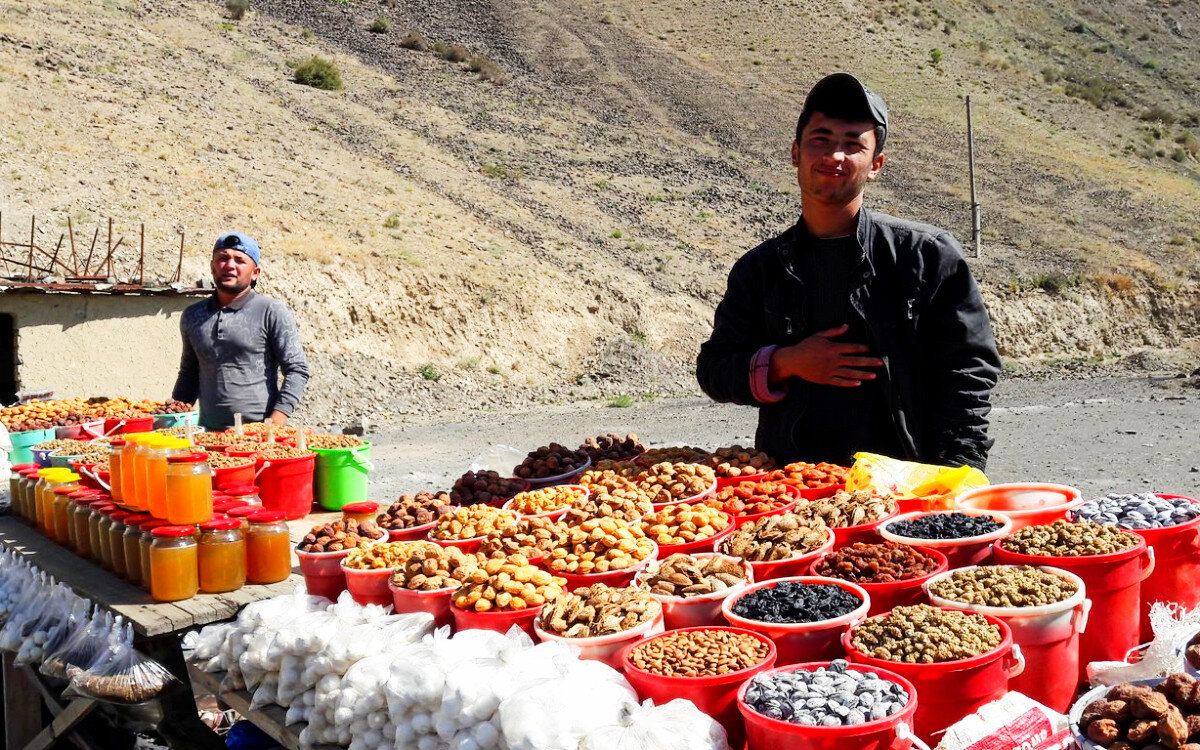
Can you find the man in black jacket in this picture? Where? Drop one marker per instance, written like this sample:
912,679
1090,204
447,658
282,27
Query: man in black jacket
854,330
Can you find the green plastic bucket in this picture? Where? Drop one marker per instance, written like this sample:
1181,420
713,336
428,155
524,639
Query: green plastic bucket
178,419
23,441
341,475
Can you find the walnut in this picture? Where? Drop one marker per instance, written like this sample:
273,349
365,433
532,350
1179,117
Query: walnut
1149,705
1103,731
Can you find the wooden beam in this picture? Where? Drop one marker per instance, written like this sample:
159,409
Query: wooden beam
74,256
22,706
63,724
88,264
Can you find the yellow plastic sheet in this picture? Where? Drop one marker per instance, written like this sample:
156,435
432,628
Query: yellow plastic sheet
915,486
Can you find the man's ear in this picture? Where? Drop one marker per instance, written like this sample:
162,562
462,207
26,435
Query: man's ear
876,166
796,155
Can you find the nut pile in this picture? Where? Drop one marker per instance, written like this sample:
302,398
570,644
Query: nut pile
922,634
340,535
808,475
844,509
1138,716
598,610
671,482
334,441
550,461
945,526
221,461
216,439
484,488
884,562
508,584
381,556
676,454
432,568
736,461
750,498
775,538
826,697
271,451
544,500
1004,586
699,653
471,522
611,497
530,537
1065,539
1139,511
682,575
612,447
63,447
599,545
792,601
410,511
680,524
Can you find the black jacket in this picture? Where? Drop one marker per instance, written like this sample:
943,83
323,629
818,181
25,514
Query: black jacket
925,319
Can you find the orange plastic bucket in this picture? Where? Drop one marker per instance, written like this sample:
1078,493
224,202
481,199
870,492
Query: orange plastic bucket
1025,504
1114,584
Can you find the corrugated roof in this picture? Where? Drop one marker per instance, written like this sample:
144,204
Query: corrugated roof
8,286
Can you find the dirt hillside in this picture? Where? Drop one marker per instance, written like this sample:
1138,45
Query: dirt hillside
450,240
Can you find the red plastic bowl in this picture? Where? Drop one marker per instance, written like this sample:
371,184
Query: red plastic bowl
323,573
369,586
605,648
613,578
696,611
715,696
723,482
817,493
886,596
553,515
1027,504
960,553
793,566
436,602
864,532
707,544
693,499
499,621
802,641
416,533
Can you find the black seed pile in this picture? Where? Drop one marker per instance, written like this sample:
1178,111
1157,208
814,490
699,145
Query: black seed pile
945,526
796,602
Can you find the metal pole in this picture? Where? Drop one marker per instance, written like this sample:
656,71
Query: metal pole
976,233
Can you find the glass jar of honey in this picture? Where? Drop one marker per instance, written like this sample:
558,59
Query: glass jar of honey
222,555
174,571
69,514
147,538
133,470
28,478
268,548
96,539
16,486
59,525
189,488
155,463
114,526
130,539
48,479
81,509
364,511
115,447
243,513
243,494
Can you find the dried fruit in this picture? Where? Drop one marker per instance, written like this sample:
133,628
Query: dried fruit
598,610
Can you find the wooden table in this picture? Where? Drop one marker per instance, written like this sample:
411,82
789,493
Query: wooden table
270,719
159,628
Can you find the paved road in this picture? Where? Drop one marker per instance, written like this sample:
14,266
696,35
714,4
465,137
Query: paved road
1098,435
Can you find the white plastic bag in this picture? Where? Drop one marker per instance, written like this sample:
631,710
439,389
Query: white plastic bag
557,714
1173,627
677,725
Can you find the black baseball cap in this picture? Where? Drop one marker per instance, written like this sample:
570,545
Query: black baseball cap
841,94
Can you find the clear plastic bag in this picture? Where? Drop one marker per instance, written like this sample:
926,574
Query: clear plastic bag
43,598
557,714
52,630
121,674
80,650
15,575
677,725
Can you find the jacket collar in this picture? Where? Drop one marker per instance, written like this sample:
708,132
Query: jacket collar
237,304
796,233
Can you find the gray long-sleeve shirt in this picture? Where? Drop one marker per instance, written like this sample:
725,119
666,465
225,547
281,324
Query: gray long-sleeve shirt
232,357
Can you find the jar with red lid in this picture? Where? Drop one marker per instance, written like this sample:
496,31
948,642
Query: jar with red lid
99,512
80,510
16,486
72,510
245,494
268,547
61,516
114,526
189,488
363,511
242,512
174,571
116,446
222,555
130,543
147,538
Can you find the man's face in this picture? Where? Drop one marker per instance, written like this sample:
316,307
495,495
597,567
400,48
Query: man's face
233,271
835,159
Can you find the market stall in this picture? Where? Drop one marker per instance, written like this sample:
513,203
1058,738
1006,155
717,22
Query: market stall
599,596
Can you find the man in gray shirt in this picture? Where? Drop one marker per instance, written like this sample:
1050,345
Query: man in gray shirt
236,342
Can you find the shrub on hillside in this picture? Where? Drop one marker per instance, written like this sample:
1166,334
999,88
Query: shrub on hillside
237,8
318,73
454,52
415,41
381,25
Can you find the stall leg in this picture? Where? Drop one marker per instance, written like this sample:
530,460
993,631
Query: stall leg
181,726
22,706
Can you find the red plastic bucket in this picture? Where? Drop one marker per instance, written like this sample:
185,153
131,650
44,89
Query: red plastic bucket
741,519
436,602
792,566
414,534
953,689
613,578
286,484
604,648
499,621
369,586
1048,636
323,572
889,733
1176,575
234,475
802,641
715,696
1114,584
887,596
696,611
128,425
818,493
960,553
699,545
1029,504
867,533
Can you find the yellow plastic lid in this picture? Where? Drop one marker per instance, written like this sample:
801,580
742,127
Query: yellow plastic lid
71,477
53,470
